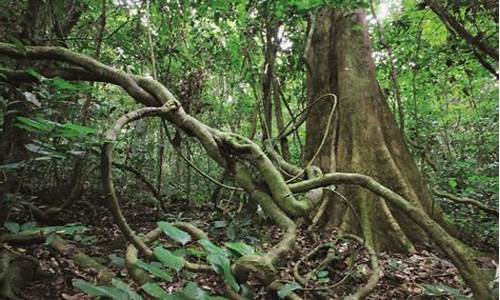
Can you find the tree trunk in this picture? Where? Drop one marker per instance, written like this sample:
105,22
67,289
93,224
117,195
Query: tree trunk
267,80
280,123
363,137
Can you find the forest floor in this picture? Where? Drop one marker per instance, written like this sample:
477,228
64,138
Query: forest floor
423,275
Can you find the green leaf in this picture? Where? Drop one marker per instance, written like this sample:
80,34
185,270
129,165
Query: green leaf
211,248
194,292
117,261
101,291
72,229
168,258
38,125
180,252
28,226
34,73
434,32
156,271
220,224
195,252
175,233
221,264
452,183
71,130
62,84
287,289
443,290
88,288
155,290
13,227
322,274
50,238
231,232
241,248
68,229
12,166
132,295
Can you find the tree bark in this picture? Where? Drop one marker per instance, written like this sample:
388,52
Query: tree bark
319,57
364,137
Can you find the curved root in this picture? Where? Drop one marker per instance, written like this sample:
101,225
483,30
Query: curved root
365,290
449,245
361,292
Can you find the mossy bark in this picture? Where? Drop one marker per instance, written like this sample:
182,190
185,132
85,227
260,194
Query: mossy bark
364,136
104,275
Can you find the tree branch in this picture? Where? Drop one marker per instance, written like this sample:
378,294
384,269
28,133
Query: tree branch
70,74
109,74
490,210
453,25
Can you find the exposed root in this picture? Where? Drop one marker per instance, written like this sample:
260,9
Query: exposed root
104,275
361,293
304,280
365,290
271,208
140,276
453,249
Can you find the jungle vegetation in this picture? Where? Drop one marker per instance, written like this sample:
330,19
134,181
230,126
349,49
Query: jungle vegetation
249,149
